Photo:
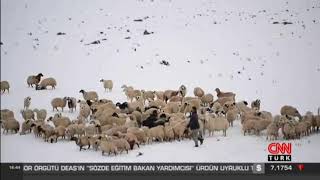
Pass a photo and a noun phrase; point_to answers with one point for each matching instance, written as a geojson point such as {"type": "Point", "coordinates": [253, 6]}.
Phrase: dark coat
{"type": "Point", "coordinates": [149, 122]}
{"type": "Point", "coordinates": [194, 123]}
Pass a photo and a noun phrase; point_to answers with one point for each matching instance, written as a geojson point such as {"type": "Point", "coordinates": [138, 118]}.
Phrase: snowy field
{"type": "Point", "coordinates": [258, 49]}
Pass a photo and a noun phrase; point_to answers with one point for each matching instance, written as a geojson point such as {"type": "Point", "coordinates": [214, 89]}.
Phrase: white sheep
{"type": "Point", "coordinates": [4, 85]}
{"type": "Point", "coordinates": [58, 102]}
{"type": "Point", "coordinates": [26, 102]}
{"type": "Point", "coordinates": [34, 79]}
{"type": "Point", "coordinates": [47, 82]}
{"type": "Point", "coordinates": [90, 95]}
{"type": "Point", "coordinates": [107, 84]}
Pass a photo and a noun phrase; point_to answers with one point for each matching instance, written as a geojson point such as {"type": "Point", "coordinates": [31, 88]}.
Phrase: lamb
{"type": "Point", "coordinates": [148, 95]}
{"type": "Point", "coordinates": [183, 90]}
{"type": "Point", "coordinates": [59, 120]}
{"type": "Point", "coordinates": [27, 114]}
{"type": "Point", "coordinates": [4, 85]}
{"type": "Point", "coordinates": [221, 94]}
{"type": "Point", "coordinates": [34, 80]}
{"type": "Point", "coordinates": [107, 84]}
{"type": "Point", "coordinates": [168, 94]}
{"type": "Point", "coordinates": [121, 144]}
{"type": "Point", "coordinates": [198, 92]}
{"type": "Point", "coordinates": [26, 127]}
{"type": "Point", "coordinates": [290, 111]}
{"type": "Point", "coordinates": [206, 99]}
{"type": "Point", "coordinates": [26, 102]}
{"type": "Point", "coordinates": [156, 132]}
{"type": "Point", "coordinates": [82, 141]}
{"type": "Point", "coordinates": [108, 147]}
{"type": "Point", "coordinates": [168, 132]}
{"type": "Point", "coordinates": [41, 114]}
{"type": "Point", "coordinates": [256, 104]}
{"type": "Point", "coordinates": [58, 102]}
{"type": "Point", "coordinates": [72, 103]}
{"type": "Point", "coordinates": [10, 124]}
{"type": "Point", "coordinates": [47, 82]}
{"type": "Point", "coordinates": [90, 95]}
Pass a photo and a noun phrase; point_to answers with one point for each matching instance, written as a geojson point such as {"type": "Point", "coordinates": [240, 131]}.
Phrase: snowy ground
{"type": "Point", "coordinates": [234, 45]}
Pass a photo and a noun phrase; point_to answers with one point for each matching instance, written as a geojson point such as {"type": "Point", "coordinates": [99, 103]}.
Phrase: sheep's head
{"type": "Point", "coordinates": [217, 90]}
{"type": "Point", "coordinates": [40, 75]}
{"type": "Point", "coordinates": [49, 119]}
{"type": "Point", "coordinates": [81, 91]}
{"type": "Point", "coordinates": [101, 80]}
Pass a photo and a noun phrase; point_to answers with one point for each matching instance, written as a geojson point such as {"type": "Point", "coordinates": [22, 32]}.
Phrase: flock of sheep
{"type": "Point", "coordinates": [114, 128]}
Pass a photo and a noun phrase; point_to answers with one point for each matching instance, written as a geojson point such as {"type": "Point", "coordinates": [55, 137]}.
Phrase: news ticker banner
{"type": "Point", "coordinates": [24, 169]}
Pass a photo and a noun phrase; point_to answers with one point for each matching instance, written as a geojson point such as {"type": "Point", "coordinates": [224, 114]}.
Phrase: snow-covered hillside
{"type": "Point", "coordinates": [257, 49]}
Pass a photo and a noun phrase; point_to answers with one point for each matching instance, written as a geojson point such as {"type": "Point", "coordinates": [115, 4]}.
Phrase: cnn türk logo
{"type": "Point", "coordinates": [279, 152]}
